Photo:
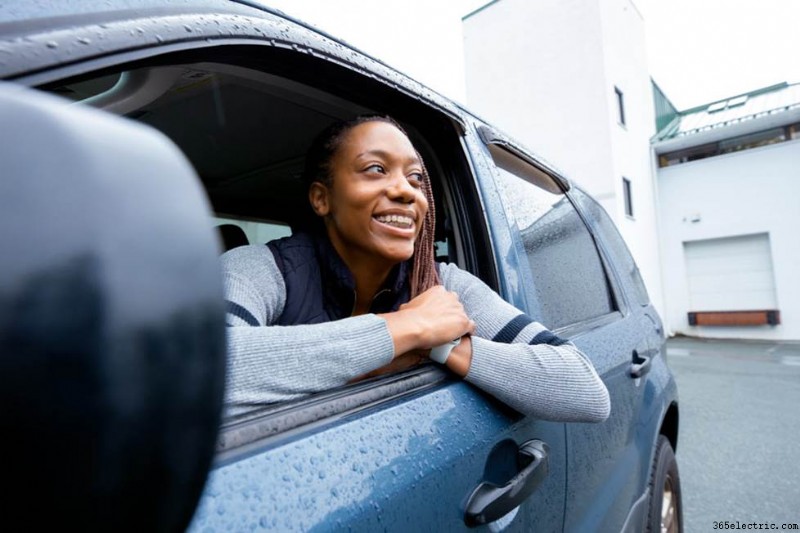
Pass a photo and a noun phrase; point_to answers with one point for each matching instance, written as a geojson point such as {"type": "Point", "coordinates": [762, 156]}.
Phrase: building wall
{"type": "Point", "coordinates": [537, 71]}
{"type": "Point", "coordinates": [545, 72]}
{"type": "Point", "coordinates": [742, 193]}
{"type": "Point", "coordinates": [626, 69]}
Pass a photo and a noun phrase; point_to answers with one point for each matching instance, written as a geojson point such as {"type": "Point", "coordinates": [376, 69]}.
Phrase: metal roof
{"type": "Point", "coordinates": [768, 101]}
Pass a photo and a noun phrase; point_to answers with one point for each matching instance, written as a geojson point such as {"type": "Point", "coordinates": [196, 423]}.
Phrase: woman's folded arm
{"type": "Point", "coordinates": [520, 362]}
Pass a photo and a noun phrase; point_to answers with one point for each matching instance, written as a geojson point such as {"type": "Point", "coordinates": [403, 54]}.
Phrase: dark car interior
{"type": "Point", "coordinates": [246, 132]}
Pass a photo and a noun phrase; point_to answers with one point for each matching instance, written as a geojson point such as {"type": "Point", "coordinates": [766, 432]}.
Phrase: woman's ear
{"type": "Point", "coordinates": [318, 196]}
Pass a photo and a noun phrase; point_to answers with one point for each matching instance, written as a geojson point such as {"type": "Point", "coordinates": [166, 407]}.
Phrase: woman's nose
{"type": "Point", "coordinates": [401, 190]}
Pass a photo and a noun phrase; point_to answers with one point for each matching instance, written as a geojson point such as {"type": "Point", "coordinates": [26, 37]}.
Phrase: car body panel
{"type": "Point", "coordinates": [406, 465]}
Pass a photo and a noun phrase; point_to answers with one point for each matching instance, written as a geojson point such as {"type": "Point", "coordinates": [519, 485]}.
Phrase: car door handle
{"type": "Point", "coordinates": [640, 365]}
{"type": "Point", "coordinates": [489, 502]}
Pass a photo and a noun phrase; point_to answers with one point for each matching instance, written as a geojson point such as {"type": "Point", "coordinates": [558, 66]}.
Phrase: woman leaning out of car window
{"type": "Point", "coordinates": [359, 294]}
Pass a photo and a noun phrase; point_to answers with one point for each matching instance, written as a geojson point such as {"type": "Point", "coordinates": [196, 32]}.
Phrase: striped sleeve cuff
{"type": "Point", "coordinates": [513, 329]}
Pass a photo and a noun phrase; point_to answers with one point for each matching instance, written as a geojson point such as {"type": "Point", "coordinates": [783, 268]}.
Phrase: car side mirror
{"type": "Point", "coordinates": [112, 340]}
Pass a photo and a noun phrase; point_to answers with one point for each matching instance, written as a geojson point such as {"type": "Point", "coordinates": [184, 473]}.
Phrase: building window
{"type": "Point", "coordinates": [626, 191]}
{"type": "Point", "coordinates": [620, 105]}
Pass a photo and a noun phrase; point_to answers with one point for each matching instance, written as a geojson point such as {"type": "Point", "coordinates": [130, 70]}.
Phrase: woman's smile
{"type": "Point", "coordinates": [400, 223]}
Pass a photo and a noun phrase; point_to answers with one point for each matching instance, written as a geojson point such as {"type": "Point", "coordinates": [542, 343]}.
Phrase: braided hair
{"type": "Point", "coordinates": [423, 274]}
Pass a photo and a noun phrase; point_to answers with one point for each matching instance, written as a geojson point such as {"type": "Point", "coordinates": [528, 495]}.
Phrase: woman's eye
{"type": "Point", "coordinates": [375, 168]}
{"type": "Point", "coordinates": [415, 179]}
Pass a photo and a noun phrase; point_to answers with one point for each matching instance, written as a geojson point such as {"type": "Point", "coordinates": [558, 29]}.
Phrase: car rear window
{"type": "Point", "coordinates": [570, 281]}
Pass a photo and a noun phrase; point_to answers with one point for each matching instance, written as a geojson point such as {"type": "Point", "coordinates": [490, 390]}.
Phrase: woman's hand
{"type": "Point", "coordinates": [434, 317]}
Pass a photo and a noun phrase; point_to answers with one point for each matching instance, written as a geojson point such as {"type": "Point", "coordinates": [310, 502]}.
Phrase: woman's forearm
{"type": "Point", "coordinates": [548, 382]}
{"type": "Point", "coordinates": [269, 364]}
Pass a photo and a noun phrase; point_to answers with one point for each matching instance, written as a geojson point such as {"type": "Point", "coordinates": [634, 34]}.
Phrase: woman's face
{"type": "Point", "coordinates": [374, 206]}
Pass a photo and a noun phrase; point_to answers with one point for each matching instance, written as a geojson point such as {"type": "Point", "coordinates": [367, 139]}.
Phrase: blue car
{"type": "Point", "coordinates": [141, 139]}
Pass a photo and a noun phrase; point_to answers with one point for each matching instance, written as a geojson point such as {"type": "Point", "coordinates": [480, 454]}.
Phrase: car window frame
{"type": "Point", "coordinates": [274, 423]}
{"type": "Point", "coordinates": [629, 291]}
{"type": "Point", "coordinates": [491, 137]}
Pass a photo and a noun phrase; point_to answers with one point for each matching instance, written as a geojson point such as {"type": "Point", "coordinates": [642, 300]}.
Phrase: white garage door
{"type": "Point", "coordinates": [730, 274]}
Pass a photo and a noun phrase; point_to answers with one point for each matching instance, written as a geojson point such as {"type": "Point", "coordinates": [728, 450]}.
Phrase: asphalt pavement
{"type": "Point", "coordinates": [739, 432]}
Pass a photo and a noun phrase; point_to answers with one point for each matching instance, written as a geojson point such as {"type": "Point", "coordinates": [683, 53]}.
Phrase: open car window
{"type": "Point", "coordinates": [245, 131]}
{"type": "Point", "coordinates": [246, 128]}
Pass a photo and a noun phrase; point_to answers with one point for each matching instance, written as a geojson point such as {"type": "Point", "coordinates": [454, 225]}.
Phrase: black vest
{"type": "Point", "coordinates": [320, 287]}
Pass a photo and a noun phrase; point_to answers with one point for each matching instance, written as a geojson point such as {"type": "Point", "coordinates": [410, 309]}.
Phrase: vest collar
{"type": "Point", "coordinates": [339, 284]}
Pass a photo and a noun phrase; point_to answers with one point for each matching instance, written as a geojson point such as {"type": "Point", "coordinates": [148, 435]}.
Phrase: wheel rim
{"type": "Point", "coordinates": [669, 520]}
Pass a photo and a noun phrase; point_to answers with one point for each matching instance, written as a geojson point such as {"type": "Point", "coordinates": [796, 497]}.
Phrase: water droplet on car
{"type": "Point", "coordinates": [52, 44]}
{"type": "Point", "coordinates": [85, 40]}
{"type": "Point", "coordinates": [187, 28]}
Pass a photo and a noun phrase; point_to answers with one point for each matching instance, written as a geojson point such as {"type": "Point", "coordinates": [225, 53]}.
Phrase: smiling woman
{"type": "Point", "coordinates": [378, 205]}
{"type": "Point", "coordinates": [362, 294]}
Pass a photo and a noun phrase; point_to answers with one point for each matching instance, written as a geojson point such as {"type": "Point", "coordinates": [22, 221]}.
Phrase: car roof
{"type": "Point", "coordinates": [39, 36]}
{"type": "Point", "coordinates": [54, 9]}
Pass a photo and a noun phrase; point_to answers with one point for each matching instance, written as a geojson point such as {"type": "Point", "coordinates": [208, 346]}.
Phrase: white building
{"type": "Point", "coordinates": [569, 79]}
{"type": "Point", "coordinates": [708, 199]}
{"type": "Point", "coordinates": [729, 194]}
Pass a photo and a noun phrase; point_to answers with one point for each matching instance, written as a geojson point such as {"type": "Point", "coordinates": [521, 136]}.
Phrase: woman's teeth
{"type": "Point", "coordinates": [396, 220]}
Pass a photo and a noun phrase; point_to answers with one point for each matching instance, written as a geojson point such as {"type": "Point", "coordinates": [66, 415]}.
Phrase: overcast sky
{"type": "Point", "coordinates": [705, 50]}
{"type": "Point", "coordinates": [698, 50]}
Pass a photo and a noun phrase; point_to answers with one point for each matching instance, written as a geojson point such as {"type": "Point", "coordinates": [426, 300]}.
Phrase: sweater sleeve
{"type": "Point", "coordinates": [523, 364]}
{"type": "Point", "coordinates": [269, 363]}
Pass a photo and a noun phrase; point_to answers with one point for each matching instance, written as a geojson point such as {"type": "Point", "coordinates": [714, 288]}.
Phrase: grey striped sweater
{"type": "Point", "coordinates": [514, 358]}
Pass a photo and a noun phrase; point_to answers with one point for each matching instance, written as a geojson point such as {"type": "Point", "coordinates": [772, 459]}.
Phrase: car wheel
{"type": "Point", "coordinates": [665, 513]}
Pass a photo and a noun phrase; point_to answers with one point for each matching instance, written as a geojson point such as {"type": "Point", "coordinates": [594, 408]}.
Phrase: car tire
{"type": "Point", "coordinates": [665, 513]}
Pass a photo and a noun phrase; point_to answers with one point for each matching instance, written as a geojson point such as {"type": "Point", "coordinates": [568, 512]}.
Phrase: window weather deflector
{"type": "Point", "coordinates": [490, 136]}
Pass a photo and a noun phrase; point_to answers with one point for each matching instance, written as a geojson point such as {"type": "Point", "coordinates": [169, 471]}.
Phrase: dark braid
{"type": "Point", "coordinates": [423, 273]}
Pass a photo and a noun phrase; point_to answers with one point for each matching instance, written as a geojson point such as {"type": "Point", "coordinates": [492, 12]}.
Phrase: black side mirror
{"type": "Point", "coordinates": [112, 341]}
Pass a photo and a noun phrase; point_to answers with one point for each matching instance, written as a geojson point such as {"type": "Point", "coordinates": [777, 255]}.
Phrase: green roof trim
{"type": "Point", "coordinates": [770, 100]}
{"type": "Point", "coordinates": [665, 111]}
{"type": "Point", "coordinates": [471, 13]}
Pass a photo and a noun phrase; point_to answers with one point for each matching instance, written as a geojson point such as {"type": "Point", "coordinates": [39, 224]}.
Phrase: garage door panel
{"type": "Point", "coordinates": [738, 281]}
{"type": "Point", "coordinates": [713, 266]}
{"type": "Point", "coordinates": [752, 300]}
{"type": "Point", "coordinates": [756, 244]}
{"type": "Point", "coordinates": [730, 274]}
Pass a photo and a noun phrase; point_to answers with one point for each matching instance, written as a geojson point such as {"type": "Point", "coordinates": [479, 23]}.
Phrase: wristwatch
{"type": "Point", "coordinates": [442, 352]}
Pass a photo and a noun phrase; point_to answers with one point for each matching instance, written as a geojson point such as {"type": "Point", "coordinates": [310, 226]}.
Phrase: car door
{"type": "Point", "coordinates": [403, 452]}
{"type": "Point", "coordinates": [648, 382]}
{"type": "Point", "coordinates": [577, 295]}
